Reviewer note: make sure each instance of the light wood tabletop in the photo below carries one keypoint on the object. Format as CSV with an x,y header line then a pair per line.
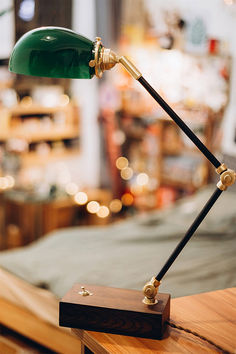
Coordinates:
x,y
205,323
33,312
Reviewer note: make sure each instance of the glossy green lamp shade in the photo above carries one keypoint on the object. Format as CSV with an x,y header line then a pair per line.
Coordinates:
x,y
53,52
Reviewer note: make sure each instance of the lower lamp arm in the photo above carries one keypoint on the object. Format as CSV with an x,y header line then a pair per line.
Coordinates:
x,y
227,178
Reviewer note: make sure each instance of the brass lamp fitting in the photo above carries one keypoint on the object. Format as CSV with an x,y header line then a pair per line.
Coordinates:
x,y
106,59
150,290
227,177
221,168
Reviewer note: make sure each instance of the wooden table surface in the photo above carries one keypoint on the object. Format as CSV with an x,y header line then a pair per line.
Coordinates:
x,y
211,315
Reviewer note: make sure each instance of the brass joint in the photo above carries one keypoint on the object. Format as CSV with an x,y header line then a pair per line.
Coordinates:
x,y
221,168
104,58
150,290
227,178
130,67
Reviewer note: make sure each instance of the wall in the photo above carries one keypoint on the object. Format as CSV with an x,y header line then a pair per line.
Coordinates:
x,y
85,91
7,31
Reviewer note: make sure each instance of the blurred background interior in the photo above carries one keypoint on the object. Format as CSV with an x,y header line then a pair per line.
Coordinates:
x,y
101,161
87,152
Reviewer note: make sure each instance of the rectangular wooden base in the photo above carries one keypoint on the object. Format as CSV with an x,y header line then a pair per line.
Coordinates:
x,y
113,310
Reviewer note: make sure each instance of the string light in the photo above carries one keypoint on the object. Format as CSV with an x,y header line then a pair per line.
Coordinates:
x,y
118,137
3,183
71,188
142,179
122,162
126,173
127,199
64,100
137,189
93,207
81,198
26,101
6,182
103,212
115,205
11,181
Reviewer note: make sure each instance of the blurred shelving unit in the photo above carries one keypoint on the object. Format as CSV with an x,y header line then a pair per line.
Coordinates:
x,y
197,88
42,134
33,138
26,220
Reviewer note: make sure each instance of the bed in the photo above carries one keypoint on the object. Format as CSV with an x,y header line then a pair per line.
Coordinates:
x,y
128,253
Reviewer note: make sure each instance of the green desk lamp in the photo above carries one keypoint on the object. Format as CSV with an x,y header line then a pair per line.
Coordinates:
x,y
61,53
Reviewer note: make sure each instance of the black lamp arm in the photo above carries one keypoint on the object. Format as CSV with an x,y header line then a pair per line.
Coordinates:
x,y
189,233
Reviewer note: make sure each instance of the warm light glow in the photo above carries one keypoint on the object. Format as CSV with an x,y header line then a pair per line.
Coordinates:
x,y
64,100
71,188
142,179
137,189
81,198
118,137
127,199
3,183
126,173
26,101
10,181
93,207
122,162
103,212
229,2
115,206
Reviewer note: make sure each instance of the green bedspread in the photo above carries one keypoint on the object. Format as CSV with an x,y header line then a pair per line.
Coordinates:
x,y
129,253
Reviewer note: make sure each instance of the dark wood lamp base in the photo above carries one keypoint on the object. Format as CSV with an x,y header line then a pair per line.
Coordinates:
x,y
113,310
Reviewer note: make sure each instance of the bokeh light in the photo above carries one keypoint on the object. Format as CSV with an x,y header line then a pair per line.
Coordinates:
x,y
64,100
93,207
127,199
71,188
10,181
103,212
115,205
142,179
122,162
126,173
81,198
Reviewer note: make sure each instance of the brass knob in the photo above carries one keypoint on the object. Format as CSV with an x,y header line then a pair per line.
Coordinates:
x,y
84,292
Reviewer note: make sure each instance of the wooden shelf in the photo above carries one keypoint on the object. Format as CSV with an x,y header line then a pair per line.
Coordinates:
x,y
35,109
45,135
34,158
25,122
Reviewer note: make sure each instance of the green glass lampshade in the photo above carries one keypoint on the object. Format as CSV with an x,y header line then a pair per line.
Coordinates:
x,y
53,52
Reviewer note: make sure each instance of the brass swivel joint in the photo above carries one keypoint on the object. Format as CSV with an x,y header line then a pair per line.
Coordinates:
x,y
227,177
106,59
150,290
